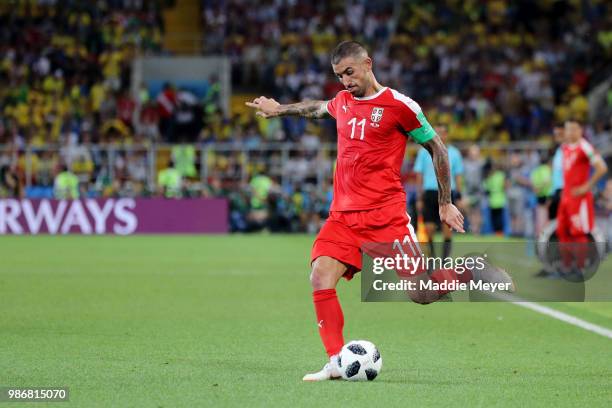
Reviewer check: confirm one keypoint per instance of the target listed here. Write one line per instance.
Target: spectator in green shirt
(170, 182)
(495, 186)
(541, 183)
(184, 157)
(66, 184)
(260, 186)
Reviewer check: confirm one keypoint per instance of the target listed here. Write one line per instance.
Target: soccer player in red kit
(575, 216)
(369, 202)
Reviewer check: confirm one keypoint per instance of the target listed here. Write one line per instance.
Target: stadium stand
(495, 77)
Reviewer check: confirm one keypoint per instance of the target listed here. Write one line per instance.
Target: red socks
(330, 319)
(573, 249)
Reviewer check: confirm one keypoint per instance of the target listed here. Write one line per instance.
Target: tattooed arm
(439, 155)
(269, 108)
(448, 212)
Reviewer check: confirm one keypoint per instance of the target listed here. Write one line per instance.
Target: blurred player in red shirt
(369, 203)
(576, 213)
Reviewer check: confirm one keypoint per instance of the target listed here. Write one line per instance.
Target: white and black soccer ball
(359, 360)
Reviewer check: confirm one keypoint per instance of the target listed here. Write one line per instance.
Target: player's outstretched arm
(449, 214)
(269, 108)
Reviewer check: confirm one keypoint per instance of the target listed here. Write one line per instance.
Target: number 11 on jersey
(361, 123)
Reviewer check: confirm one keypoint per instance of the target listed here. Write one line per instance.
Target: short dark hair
(348, 49)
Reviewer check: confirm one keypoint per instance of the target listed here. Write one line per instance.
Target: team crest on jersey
(377, 114)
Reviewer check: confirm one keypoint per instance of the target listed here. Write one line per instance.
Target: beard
(358, 91)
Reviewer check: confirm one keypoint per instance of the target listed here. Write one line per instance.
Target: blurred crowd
(508, 191)
(505, 190)
(494, 70)
(516, 192)
(501, 70)
(65, 69)
(65, 79)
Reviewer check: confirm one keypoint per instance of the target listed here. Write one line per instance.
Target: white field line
(555, 314)
(564, 317)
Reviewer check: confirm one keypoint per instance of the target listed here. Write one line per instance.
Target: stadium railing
(224, 160)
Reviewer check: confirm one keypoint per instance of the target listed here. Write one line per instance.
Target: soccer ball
(359, 360)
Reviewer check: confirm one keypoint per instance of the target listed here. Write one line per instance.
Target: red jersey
(577, 161)
(371, 144)
(166, 102)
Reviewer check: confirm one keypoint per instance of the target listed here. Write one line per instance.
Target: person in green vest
(66, 184)
(495, 186)
(260, 186)
(170, 182)
(541, 183)
(184, 156)
(212, 99)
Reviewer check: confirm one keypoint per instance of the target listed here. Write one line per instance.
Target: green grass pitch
(190, 321)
